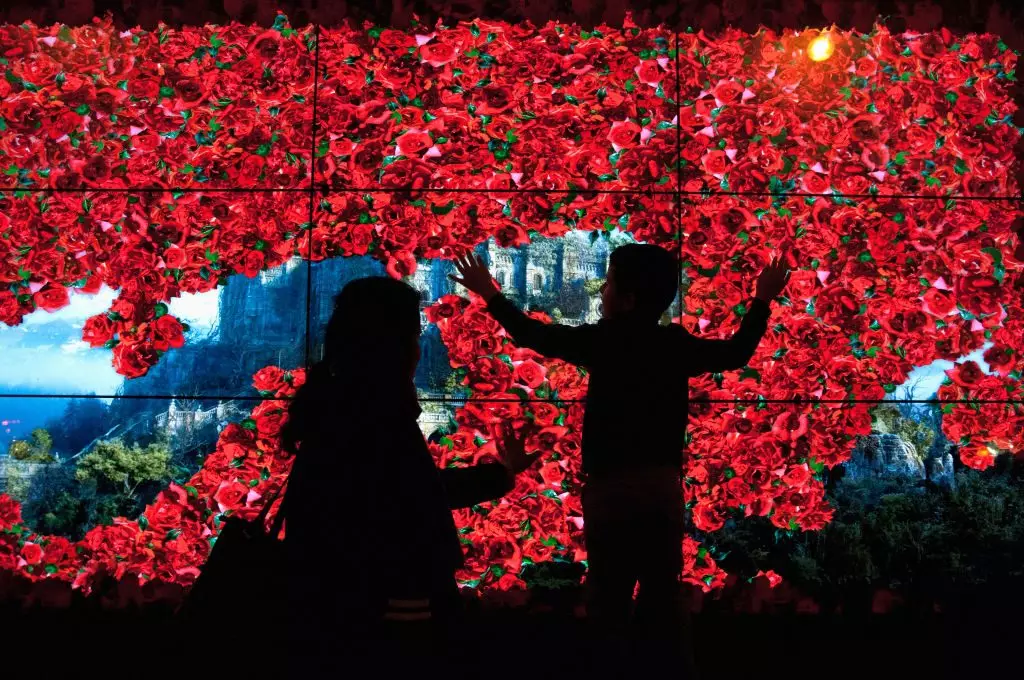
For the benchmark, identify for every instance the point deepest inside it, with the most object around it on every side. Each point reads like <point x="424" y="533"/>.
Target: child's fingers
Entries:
<point x="456" y="279"/>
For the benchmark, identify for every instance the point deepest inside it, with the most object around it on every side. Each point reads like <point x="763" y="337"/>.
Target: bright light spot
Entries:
<point x="821" y="48"/>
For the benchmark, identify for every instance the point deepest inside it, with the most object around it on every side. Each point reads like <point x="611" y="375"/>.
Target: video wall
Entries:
<point x="178" y="208"/>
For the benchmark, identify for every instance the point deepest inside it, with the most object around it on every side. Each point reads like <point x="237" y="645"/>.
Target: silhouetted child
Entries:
<point x="634" y="425"/>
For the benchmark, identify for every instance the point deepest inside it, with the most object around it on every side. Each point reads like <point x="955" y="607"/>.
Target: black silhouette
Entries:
<point x="371" y="544"/>
<point x="634" y="429"/>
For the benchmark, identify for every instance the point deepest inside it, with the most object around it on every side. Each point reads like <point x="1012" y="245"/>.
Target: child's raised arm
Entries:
<point x="577" y="345"/>
<point x="715" y="356"/>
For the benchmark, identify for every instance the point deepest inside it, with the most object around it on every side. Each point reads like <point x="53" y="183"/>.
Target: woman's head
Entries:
<point x="370" y="354"/>
<point x="375" y="326"/>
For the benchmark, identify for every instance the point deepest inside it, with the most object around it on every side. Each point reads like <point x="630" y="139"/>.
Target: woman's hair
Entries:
<point x="371" y="344"/>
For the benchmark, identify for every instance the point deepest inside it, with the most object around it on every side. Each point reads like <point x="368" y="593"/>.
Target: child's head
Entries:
<point x="642" y="280"/>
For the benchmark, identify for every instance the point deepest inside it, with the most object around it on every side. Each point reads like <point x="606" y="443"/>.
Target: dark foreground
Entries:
<point x="510" y="643"/>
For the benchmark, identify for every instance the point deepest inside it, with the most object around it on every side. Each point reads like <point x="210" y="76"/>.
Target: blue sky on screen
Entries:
<point x="47" y="353"/>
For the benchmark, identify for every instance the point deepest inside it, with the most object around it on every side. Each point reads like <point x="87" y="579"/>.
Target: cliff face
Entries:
<point x="903" y="446"/>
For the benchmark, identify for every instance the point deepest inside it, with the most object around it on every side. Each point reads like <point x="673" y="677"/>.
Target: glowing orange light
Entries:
<point x="821" y="48"/>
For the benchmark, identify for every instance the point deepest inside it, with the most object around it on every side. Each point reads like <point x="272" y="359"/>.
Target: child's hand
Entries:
<point x="512" y="450"/>
<point x="772" y="280"/>
<point x="475" y="277"/>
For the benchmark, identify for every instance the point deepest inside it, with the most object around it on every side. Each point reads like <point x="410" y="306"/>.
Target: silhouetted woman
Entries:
<point x="371" y="542"/>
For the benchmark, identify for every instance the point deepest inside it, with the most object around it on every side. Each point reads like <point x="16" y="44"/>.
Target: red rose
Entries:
<point x="999" y="359"/>
<point x="977" y="457"/>
<point x="10" y="310"/>
<point x="253" y="263"/>
<point x="488" y="374"/>
<point x="815" y="183"/>
<point x="715" y="162"/>
<point x="174" y="258"/>
<point x="230" y="495"/>
<point x="967" y="374"/>
<point x="510" y="235"/>
<point x="168" y="332"/>
<point x="437" y="53"/>
<point x="733" y="221"/>
<point x="51" y="297"/>
<point x="530" y="373"/>
<point x="707" y="517"/>
<point x="251" y="168"/>
<point x="32" y="553"/>
<point x="98" y="330"/>
<point x="10" y="512"/>
<point x="728" y="92"/>
<point x="939" y="302"/>
<point x="133" y="360"/>
<point x="624" y="134"/>
<point x="414" y="143"/>
<point x="190" y="91"/>
<point x="649" y="72"/>
<point x="544" y="413"/>
<point x="866" y="67"/>
<point x="268" y="379"/>
<point x="797" y="475"/>
<point x="401" y="264"/>
<point x="270" y="424"/>
<point x="496" y="100"/>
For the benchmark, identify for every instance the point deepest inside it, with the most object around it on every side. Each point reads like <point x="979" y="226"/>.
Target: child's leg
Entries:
<point x="662" y="613"/>
<point x="611" y="573"/>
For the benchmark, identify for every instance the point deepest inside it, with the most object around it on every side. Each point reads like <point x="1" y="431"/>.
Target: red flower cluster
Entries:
<point x="172" y="538"/>
<point x="898" y="115"/>
<point x="90" y="107"/>
<point x="151" y="247"/>
<point x="883" y="282"/>
<point x="492" y="105"/>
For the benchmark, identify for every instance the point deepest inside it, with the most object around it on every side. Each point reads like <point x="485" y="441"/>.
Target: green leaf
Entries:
<point x="215" y="41"/>
<point x="160" y="309"/>
<point x="994" y="253"/>
<point x="630" y="86"/>
<point x="442" y="209"/>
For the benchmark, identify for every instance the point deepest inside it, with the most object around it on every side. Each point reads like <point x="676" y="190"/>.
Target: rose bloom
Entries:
<point x="133" y="360"/>
<point x="624" y="134"/>
<point x="437" y="53"/>
<point x="530" y="373"/>
<point x="414" y="143"/>
<point x="167" y="332"/>
<point x="648" y="72"/>
<point x="10" y="311"/>
<point x="51" y="298"/>
<point x="98" y="330"/>
<point x="715" y="162"/>
<point x="10" y="512"/>
<point x="32" y="553"/>
<point x="268" y="379"/>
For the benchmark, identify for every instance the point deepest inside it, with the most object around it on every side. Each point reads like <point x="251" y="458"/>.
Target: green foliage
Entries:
<point x="888" y="418"/>
<point x="593" y="286"/>
<point x="119" y="468"/>
<point x="37" y="449"/>
<point x="920" y="539"/>
<point x="67" y="515"/>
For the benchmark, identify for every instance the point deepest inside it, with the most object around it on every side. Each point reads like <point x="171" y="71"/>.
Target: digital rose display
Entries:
<point x="886" y="174"/>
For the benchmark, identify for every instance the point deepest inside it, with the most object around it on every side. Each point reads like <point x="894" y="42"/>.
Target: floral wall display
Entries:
<point x="162" y="163"/>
